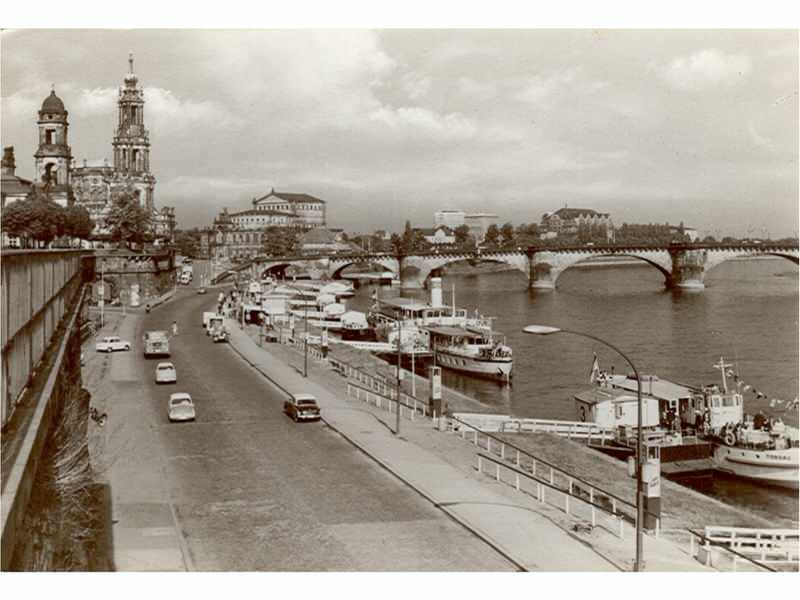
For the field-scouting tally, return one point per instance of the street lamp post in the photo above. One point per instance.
(638, 564)
(305, 328)
(399, 382)
(102, 291)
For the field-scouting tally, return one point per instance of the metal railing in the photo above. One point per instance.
(716, 554)
(768, 546)
(409, 409)
(572, 504)
(573, 484)
(568, 429)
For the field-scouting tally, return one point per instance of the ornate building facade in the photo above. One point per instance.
(241, 234)
(95, 183)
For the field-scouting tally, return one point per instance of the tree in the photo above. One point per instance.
(280, 241)
(36, 217)
(187, 242)
(16, 218)
(396, 244)
(527, 234)
(464, 240)
(77, 222)
(507, 235)
(492, 237)
(128, 221)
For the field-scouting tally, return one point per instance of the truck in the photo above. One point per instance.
(217, 329)
(206, 318)
(156, 343)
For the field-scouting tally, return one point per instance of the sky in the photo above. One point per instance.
(693, 126)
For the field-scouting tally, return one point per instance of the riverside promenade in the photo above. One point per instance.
(441, 467)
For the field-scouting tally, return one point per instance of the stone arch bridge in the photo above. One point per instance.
(683, 266)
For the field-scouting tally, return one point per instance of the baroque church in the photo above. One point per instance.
(94, 185)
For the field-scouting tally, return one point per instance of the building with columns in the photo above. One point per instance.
(241, 234)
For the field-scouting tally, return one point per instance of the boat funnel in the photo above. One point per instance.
(436, 291)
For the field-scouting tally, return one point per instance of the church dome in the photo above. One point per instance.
(53, 104)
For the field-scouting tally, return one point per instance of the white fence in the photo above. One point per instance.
(578, 430)
(768, 546)
(548, 493)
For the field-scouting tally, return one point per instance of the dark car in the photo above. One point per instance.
(302, 407)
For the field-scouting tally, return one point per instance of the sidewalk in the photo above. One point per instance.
(440, 466)
(125, 453)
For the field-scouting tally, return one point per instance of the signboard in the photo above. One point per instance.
(324, 337)
(436, 383)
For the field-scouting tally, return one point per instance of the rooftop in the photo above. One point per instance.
(289, 197)
(574, 213)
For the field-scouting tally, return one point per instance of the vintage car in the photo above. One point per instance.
(165, 373)
(181, 407)
(112, 344)
(302, 407)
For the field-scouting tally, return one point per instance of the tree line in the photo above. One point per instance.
(39, 221)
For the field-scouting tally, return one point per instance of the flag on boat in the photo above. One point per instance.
(595, 372)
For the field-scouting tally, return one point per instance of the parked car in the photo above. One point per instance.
(201, 290)
(302, 407)
(181, 407)
(165, 373)
(112, 344)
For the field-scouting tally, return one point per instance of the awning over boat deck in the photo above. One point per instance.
(662, 389)
(445, 330)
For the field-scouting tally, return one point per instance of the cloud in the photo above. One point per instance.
(97, 101)
(414, 122)
(416, 86)
(477, 90)
(171, 114)
(705, 69)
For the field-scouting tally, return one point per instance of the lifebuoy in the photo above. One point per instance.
(730, 438)
(583, 413)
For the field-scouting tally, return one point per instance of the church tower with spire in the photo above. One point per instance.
(54, 156)
(131, 142)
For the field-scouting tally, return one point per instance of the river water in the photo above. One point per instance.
(748, 314)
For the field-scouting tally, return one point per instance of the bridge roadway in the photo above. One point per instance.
(683, 266)
(251, 490)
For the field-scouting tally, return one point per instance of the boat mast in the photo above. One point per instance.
(722, 365)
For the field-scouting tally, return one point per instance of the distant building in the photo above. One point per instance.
(449, 218)
(12, 189)
(241, 234)
(689, 232)
(568, 221)
(324, 241)
(438, 236)
(479, 224)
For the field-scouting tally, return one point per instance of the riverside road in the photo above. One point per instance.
(251, 490)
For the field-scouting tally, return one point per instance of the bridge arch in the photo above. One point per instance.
(547, 266)
(417, 270)
(338, 266)
(714, 259)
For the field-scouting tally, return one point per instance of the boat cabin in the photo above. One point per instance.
(612, 408)
(444, 336)
(713, 408)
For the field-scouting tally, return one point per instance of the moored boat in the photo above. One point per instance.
(458, 342)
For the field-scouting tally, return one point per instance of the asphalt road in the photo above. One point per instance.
(253, 490)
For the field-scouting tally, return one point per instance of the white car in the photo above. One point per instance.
(165, 373)
(112, 344)
(181, 407)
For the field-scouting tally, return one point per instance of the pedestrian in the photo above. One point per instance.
(174, 328)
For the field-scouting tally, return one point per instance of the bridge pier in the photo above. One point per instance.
(688, 270)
